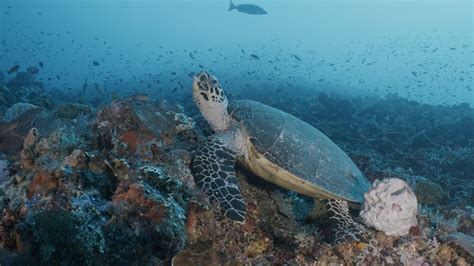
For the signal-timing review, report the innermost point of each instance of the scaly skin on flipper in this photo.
(213, 169)
(343, 226)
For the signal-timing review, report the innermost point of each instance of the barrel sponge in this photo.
(390, 206)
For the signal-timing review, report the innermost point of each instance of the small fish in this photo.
(141, 97)
(13, 69)
(247, 9)
(254, 56)
(174, 90)
(41, 64)
(414, 73)
(297, 57)
(95, 63)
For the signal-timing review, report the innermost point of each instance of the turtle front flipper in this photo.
(343, 227)
(214, 173)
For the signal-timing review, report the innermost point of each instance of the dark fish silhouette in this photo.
(33, 70)
(248, 9)
(13, 69)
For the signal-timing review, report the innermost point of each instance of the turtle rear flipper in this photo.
(343, 227)
(214, 173)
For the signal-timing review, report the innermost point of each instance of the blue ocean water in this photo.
(93, 145)
(417, 49)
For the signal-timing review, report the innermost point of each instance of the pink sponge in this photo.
(390, 206)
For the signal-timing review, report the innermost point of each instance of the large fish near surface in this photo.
(248, 9)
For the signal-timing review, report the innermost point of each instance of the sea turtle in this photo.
(277, 147)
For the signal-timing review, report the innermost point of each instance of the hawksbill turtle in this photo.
(277, 147)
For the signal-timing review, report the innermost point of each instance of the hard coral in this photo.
(146, 216)
(58, 238)
(28, 154)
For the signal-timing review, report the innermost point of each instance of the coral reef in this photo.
(107, 185)
(111, 194)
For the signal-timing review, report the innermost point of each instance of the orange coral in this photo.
(135, 196)
(131, 139)
(42, 184)
(191, 220)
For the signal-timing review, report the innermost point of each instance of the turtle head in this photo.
(211, 101)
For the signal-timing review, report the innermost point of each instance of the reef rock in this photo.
(466, 242)
(390, 206)
(427, 192)
(4, 173)
(142, 211)
(142, 129)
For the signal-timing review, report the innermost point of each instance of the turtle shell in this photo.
(300, 149)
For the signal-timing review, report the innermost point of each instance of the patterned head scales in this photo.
(207, 90)
(209, 98)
